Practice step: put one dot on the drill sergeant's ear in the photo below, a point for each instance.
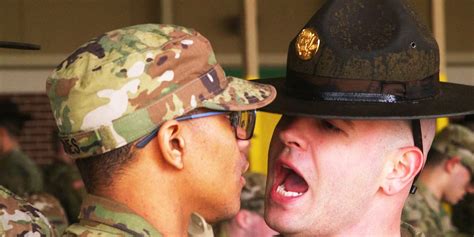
(401, 168)
(171, 143)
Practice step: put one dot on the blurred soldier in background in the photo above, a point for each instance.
(249, 220)
(446, 177)
(63, 180)
(463, 212)
(43, 214)
(17, 171)
(157, 131)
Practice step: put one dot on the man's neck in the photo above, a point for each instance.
(156, 200)
(381, 219)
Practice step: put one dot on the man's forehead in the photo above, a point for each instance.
(356, 122)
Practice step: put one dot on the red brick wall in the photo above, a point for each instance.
(36, 139)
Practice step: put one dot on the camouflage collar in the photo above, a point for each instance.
(107, 212)
(429, 198)
(406, 230)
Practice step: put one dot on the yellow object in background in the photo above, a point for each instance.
(442, 122)
(260, 142)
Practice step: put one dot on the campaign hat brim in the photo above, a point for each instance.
(19, 45)
(452, 100)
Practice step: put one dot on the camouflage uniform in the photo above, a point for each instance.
(51, 209)
(101, 216)
(20, 218)
(424, 210)
(406, 230)
(64, 182)
(19, 174)
(121, 86)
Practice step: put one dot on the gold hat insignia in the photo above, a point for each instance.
(307, 43)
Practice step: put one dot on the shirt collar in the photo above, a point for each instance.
(430, 198)
(116, 215)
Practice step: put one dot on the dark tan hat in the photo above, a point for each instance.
(366, 59)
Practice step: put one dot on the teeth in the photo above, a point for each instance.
(285, 166)
(281, 190)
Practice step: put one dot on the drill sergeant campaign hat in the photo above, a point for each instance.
(456, 141)
(123, 84)
(367, 59)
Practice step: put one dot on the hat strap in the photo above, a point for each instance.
(418, 140)
(311, 87)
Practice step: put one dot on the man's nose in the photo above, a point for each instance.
(293, 133)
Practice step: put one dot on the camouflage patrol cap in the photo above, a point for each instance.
(456, 140)
(123, 84)
(253, 194)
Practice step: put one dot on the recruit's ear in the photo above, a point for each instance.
(401, 169)
(452, 164)
(171, 143)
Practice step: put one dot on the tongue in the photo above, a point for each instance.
(295, 183)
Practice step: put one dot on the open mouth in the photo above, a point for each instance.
(290, 183)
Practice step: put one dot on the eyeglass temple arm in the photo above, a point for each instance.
(418, 140)
(150, 136)
(201, 115)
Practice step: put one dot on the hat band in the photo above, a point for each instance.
(360, 90)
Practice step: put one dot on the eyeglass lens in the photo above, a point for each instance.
(244, 124)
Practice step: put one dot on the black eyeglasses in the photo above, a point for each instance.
(243, 124)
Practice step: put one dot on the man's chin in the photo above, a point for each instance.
(228, 212)
(281, 221)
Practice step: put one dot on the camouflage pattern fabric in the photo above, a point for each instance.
(456, 140)
(425, 213)
(20, 174)
(406, 230)
(101, 216)
(51, 209)
(64, 182)
(20, 218)
(123, 84)
(253, 193)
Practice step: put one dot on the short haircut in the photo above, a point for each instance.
(98, 172)
(435, 158)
